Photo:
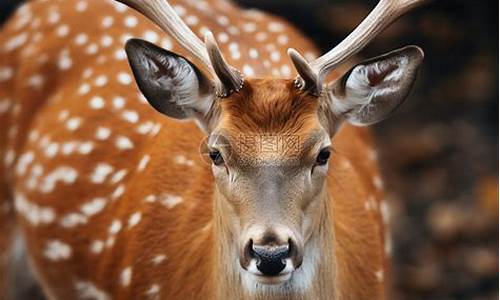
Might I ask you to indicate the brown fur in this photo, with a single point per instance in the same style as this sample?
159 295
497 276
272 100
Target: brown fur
189 234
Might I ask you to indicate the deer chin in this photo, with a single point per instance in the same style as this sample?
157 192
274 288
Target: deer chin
280 278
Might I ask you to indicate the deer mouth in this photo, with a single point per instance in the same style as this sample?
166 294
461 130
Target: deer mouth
279 275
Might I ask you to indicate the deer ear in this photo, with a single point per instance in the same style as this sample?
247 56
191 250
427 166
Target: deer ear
372 90
171 84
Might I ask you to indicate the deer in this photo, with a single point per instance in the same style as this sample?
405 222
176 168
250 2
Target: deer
184 150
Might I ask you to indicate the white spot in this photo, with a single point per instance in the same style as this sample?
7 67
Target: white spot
223 37
377 181
156 129
96 102
275 56
93 207
120 54
36 81
5 104
261 36
110 241
73 123
6 73
182 160
166 43
158 259
125 37
283 39
84 89
107 21
145 127
62 30
97 246
92 49
24 161
285 70
233 30
101 171
102 133
191 20
379 275
124 78
151 36
130 21
372 154
115 227
126 276
62 174
68 147
51 150
130 116
53 17
118 102
223 20
16 42
87 290
118 192
123 143
106 41
34 214
253 53
150 198
170 201
384 211
87 73
64 62
153 290
248 71
73 219
249 27
118 176
275 27
235 55
134 219
119 7
180 10
56 250
143 163
233 47
81 6
101 80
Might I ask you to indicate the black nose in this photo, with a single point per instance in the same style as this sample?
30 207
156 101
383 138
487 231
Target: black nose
271 260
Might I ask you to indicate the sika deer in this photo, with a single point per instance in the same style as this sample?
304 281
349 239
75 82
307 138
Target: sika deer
114 199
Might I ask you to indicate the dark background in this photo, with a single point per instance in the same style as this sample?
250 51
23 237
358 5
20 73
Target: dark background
439 153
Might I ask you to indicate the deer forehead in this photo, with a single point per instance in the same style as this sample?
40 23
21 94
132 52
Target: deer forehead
271 121
269 107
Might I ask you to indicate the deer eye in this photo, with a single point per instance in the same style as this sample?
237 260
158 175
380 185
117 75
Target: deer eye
323 157
216 157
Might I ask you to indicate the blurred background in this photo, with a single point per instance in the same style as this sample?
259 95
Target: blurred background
439 153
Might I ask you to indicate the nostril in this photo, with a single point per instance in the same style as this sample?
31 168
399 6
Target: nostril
271 260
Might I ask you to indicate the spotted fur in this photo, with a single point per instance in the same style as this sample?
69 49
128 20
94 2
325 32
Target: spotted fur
114 199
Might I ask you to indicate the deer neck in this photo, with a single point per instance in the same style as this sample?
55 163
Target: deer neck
313 280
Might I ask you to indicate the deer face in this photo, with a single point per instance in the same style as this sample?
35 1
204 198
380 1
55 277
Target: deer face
269 144
270 158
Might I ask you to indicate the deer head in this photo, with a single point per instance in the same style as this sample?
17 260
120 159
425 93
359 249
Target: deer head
271 200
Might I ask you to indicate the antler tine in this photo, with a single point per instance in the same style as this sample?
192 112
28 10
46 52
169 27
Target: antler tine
386 12
160 12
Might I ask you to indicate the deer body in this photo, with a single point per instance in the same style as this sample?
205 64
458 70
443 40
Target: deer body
115 201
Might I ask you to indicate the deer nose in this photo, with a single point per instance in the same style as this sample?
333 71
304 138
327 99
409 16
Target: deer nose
271 260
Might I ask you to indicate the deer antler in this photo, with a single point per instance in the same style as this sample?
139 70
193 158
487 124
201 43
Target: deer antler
227 78
312 74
